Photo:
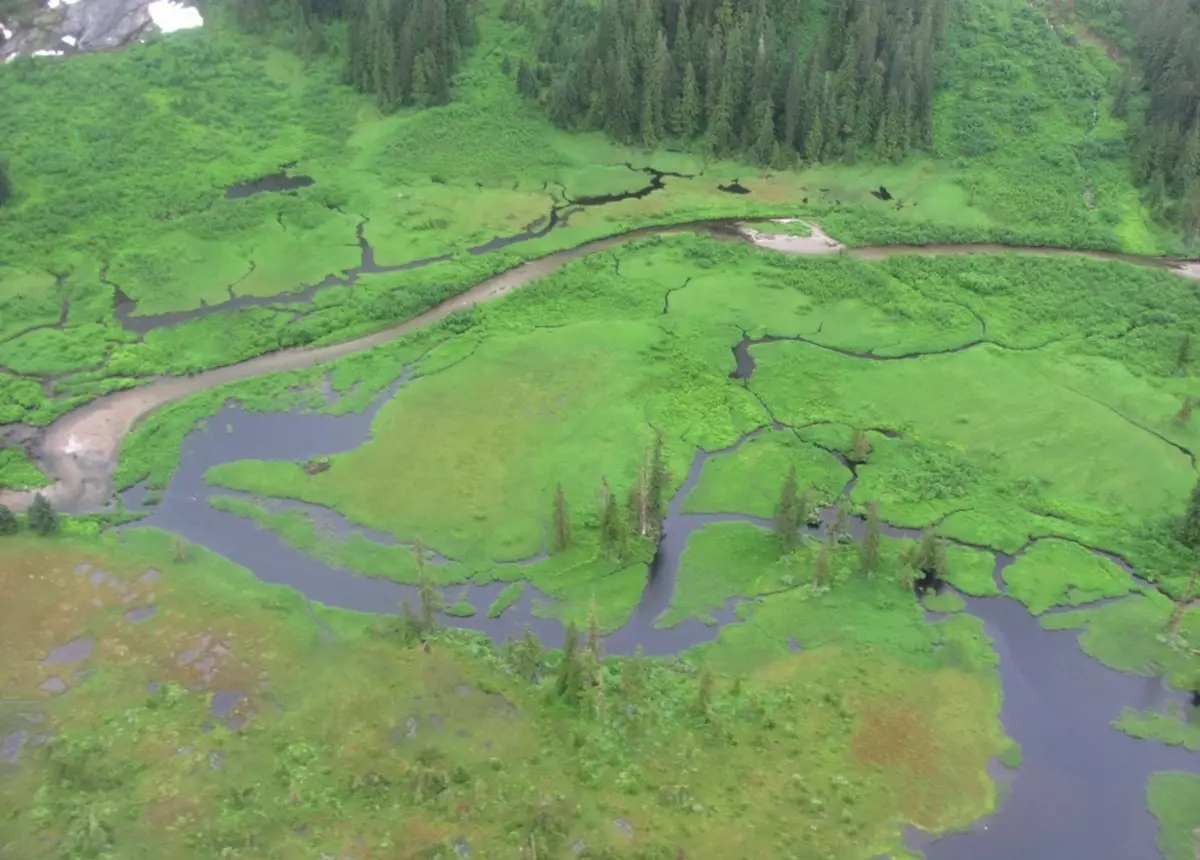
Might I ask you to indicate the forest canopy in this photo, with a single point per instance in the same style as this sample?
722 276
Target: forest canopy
402 51
775 78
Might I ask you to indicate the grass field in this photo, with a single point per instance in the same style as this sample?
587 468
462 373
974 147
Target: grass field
1174 798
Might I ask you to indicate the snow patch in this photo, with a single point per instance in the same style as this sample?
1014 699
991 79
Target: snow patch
70 40
169 16
45 53
5 32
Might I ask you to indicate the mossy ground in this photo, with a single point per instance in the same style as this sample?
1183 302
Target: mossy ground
417 749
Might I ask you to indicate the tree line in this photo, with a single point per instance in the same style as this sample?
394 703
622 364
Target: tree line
771 78
404 52
1166 142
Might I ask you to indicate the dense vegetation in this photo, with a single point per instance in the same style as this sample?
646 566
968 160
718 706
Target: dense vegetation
405 52
778 79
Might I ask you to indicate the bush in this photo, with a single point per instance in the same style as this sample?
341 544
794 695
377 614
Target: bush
43 519
8 522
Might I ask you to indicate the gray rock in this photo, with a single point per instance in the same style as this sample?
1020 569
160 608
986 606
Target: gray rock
624 826
53 685
73 652
10 747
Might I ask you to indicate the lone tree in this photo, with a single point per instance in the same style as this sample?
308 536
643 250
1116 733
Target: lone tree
1189 529
656 500
868 550
639 504
704 692
430 599
593 643
42 517
824 561
929 556
562 521
8 522
570 670
787 513
860 447
612 530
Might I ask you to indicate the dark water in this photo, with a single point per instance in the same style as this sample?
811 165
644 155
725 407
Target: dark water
1080 792
272 182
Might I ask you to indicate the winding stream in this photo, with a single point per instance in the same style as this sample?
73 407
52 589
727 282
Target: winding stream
79 449
1080 791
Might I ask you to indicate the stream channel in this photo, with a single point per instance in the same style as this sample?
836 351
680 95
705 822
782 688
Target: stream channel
1079 793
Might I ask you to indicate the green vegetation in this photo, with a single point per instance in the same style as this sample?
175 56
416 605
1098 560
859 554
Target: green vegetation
399 736
1059 573
944 602
1174 798
1182 727
511 594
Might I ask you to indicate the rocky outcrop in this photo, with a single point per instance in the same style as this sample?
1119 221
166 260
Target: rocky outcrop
64 27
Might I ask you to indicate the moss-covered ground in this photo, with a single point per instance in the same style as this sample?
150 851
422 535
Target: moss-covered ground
235 719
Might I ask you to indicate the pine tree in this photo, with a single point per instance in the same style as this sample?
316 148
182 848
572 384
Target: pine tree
179 549
570 670
823 562
6 188
594 645
527 84
562 521
8 522
42 517
656 494
929 556
687 109
527 655
860 447
704 692
764 145
1189 530
787 513
638 510
792 106
428 597
621 103
612 530
869 549
654 92
804 509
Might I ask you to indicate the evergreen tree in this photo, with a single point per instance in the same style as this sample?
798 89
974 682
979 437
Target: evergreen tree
562 521
869 549
594 645
428 597
612 531
839 530
660 478
929 556
527 84
570 670
527 655
8 522
687 109
764 145
1189 529
6 188
860 447
42 517
704 692
787 514
823 562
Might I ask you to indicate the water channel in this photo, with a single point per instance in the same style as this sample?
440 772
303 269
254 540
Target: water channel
1080 791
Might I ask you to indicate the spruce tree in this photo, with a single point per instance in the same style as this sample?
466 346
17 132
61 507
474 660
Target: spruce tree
6 188
704 692
687 109
869 549
1189 530
840 528
764 145
823 563
562 521
570 670
860 447
787 513
612 530
41 516
656 494
594 645
8 522
527 84
428 597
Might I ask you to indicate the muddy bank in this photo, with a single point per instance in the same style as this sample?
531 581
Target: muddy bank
79 450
